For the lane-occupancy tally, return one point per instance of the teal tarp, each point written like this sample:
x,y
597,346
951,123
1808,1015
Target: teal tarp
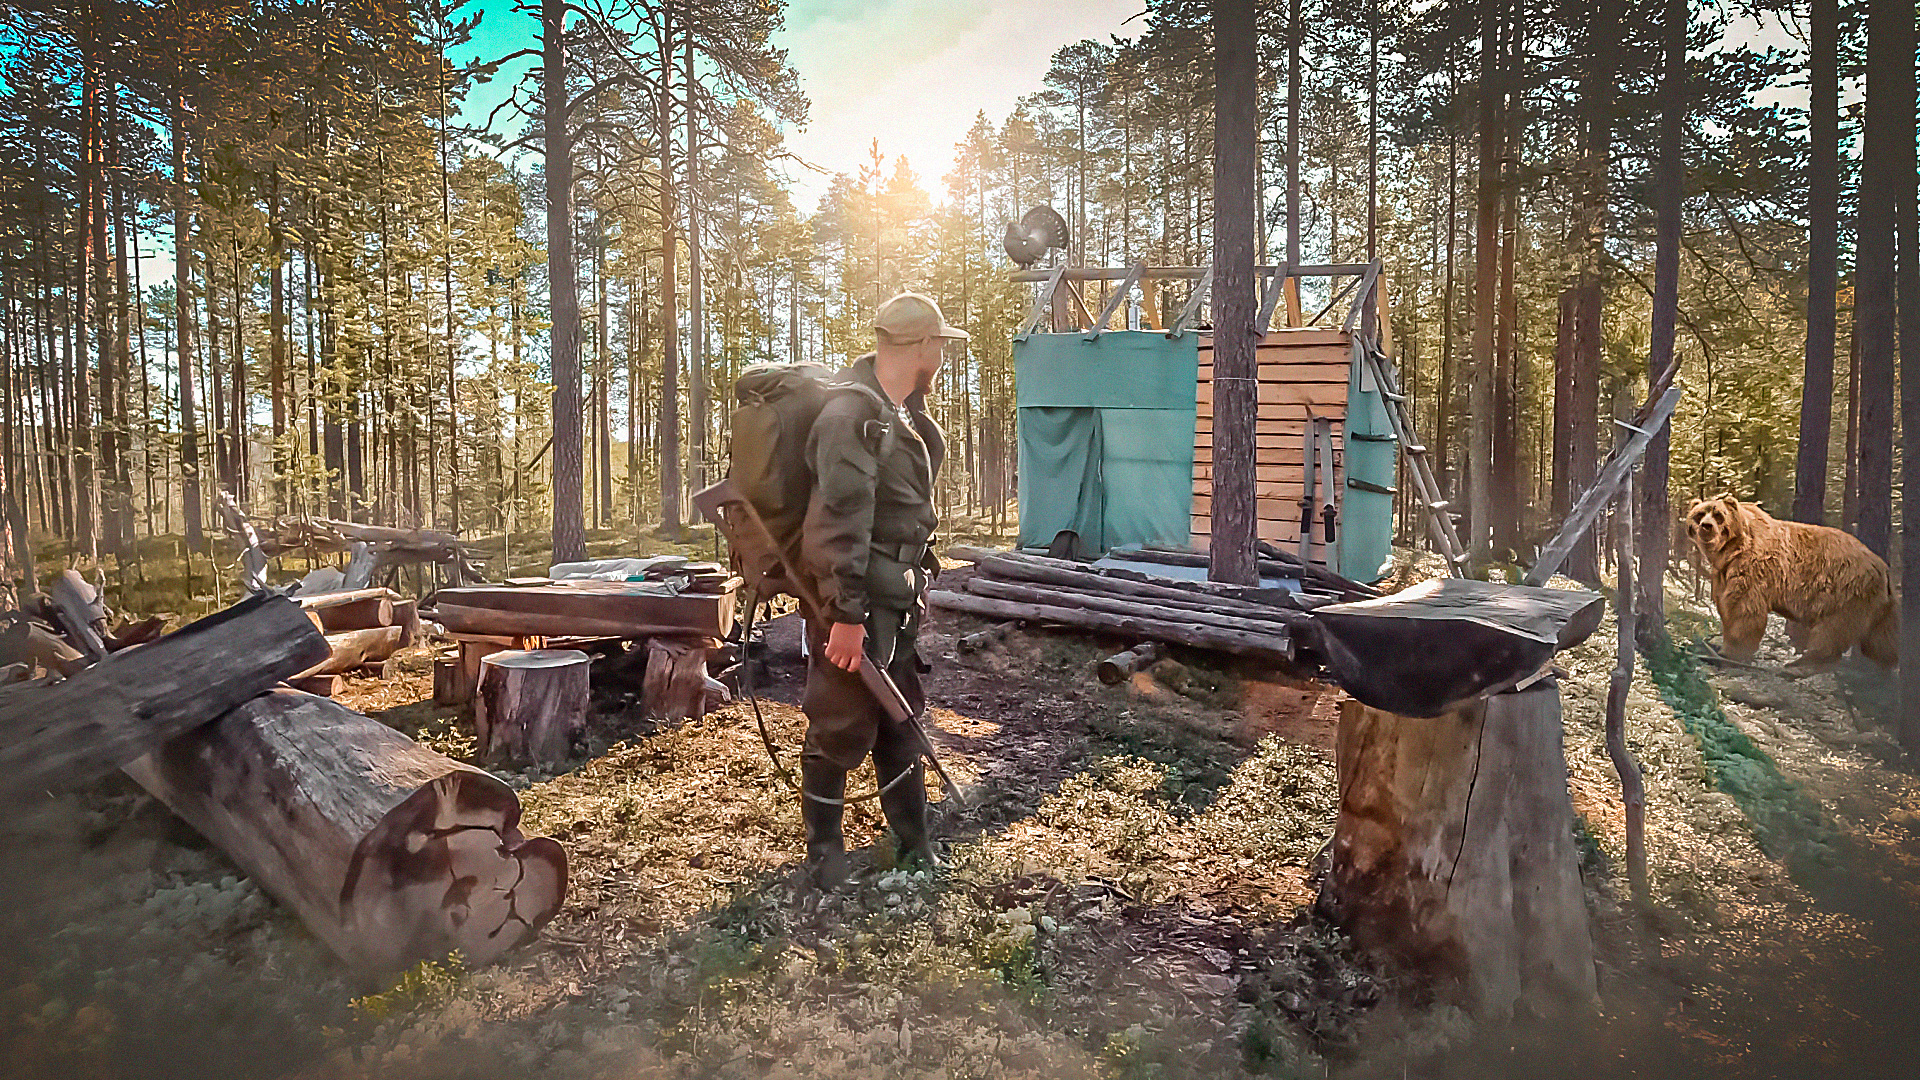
x,y
1372,460
1106,437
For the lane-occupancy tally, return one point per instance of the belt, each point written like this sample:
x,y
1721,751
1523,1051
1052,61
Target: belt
x,y
909,553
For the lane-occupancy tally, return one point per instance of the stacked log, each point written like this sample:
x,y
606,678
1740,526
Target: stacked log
x,y
1255,623
364,628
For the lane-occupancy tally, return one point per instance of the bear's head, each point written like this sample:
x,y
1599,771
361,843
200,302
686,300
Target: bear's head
x,y
1715,526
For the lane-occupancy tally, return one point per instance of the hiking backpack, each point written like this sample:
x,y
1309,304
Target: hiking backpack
x,y
777,405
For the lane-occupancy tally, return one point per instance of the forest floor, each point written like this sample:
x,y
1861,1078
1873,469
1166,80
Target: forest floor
x,y
1126,897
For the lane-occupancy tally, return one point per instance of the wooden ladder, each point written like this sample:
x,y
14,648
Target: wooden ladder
x,y
1439,522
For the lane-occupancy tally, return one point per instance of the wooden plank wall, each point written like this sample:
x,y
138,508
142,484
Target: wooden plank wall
x,y
1301,370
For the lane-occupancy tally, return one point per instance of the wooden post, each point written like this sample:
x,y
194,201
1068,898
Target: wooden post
x,y
389,852
529,705
1454,850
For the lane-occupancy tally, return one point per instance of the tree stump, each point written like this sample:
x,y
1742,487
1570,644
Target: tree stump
x,y
446,681
389,852
676,681
1454,851
530,704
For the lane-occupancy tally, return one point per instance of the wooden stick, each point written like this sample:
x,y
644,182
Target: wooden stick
x,y
1633,791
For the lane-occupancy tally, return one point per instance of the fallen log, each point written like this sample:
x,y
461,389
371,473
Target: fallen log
x,y
389,852
27,642
108,714
357,648
1120,605
82,616
604,604
983,639
340,597
406,616
366,613
318,685
1276,647
1454,852
459,619
1348,588
1116,669
1119,582
530,704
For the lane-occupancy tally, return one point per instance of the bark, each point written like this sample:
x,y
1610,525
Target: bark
x,y
1887,146
1119,605
1655,513
1823,247
569,526
131,702
671,495
389,852
1454,851
531,705
1486,256
1907,283
1271,647
676,683
356,648
1235,305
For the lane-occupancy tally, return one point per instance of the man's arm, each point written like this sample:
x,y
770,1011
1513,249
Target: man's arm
x,y
838,534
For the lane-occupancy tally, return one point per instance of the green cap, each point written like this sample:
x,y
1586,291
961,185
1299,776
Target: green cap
x,y
910,318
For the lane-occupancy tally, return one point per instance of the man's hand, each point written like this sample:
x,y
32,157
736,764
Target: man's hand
x,y
846,644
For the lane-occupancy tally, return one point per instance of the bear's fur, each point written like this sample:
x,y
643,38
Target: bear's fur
x,y
1832,591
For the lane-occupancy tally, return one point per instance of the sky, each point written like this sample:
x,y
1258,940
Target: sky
x,y
911,73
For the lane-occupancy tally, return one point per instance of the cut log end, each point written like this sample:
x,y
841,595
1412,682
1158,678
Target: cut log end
x,y
448,870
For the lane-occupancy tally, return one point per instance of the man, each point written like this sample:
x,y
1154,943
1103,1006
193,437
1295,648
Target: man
x,y
866,546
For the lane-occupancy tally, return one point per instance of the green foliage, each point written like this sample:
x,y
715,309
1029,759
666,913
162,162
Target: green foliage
x,y
425,985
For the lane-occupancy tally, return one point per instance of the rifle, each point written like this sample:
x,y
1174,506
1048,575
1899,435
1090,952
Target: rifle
x,y
768,571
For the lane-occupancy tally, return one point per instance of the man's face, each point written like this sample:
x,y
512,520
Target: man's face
x,y
931,354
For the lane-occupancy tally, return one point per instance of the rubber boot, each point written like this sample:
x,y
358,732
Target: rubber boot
x,y
905,805
826,845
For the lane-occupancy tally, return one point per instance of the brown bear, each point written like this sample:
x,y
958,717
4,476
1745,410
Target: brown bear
x,y
1832,591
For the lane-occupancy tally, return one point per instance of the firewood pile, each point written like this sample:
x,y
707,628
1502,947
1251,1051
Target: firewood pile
x,y
1258,623
364,629
389,852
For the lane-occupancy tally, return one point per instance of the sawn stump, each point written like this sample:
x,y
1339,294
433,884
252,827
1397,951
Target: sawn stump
x,y
1454,852
530,705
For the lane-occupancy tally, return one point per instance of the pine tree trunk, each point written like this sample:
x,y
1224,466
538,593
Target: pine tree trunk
x,y
1235,205
190,497
1823,209
569,528
1887,146
696,290
1655,515
1907,280
671,495
1486,253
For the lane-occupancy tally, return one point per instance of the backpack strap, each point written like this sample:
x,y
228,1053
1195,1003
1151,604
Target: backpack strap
x,y
888,418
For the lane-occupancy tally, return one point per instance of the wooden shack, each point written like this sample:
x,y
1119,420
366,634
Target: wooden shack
x,y
1113,496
